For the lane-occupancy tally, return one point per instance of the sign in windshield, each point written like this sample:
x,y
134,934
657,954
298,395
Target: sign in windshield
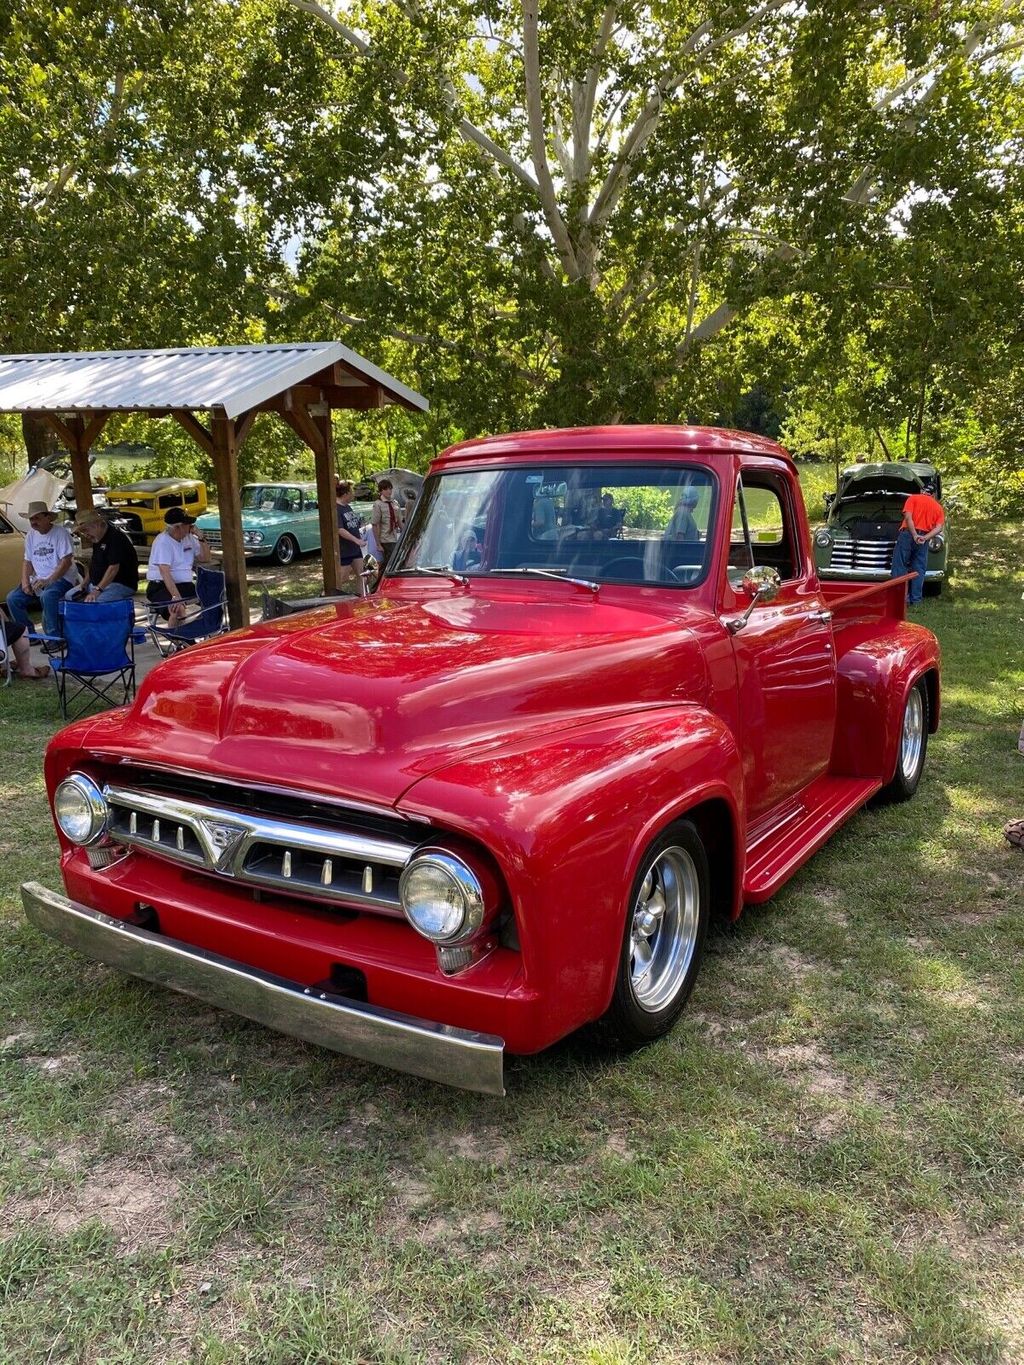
x,y
644,524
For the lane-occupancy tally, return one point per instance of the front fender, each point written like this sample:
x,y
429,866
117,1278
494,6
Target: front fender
x,y
568,819
877,666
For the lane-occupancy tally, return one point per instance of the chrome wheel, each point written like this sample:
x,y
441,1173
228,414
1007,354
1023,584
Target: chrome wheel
x,y
664,929
285,550
912,739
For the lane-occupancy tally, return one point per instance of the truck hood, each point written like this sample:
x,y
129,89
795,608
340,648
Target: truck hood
x,y
364,698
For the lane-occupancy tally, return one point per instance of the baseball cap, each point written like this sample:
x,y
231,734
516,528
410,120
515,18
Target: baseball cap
x,y
177,516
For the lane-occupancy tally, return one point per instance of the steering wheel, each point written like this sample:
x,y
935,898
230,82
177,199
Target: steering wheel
x,y
664,572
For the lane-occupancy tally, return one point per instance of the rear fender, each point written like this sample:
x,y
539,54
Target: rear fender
x,y
877,664
568,820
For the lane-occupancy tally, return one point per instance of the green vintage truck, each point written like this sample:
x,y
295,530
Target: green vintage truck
x,y
864,517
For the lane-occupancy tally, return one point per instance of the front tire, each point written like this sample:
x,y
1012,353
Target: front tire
x,y
285,550
913,746
663,942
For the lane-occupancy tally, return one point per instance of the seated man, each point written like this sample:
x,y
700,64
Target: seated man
x,y
114,567
682,527
170,573
467,556
48,571
608,519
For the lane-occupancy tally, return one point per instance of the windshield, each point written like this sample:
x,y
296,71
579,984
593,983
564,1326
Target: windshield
x,y
607,523
270,498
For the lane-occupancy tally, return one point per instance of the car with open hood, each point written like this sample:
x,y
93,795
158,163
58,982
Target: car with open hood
x,y
864,518
490,804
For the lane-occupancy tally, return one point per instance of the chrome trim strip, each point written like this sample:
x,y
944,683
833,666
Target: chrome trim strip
x,y
437,1052
873,575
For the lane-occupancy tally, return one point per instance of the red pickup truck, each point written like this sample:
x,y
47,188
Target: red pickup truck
x,y
599,698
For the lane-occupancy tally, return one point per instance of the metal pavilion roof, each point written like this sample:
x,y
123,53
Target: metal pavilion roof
x,y
231,378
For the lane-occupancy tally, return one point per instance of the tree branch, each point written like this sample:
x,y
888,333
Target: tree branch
x,y
468,131
538,143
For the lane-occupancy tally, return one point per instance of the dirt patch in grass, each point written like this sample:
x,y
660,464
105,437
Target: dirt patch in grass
x,y
137,1203
818,1074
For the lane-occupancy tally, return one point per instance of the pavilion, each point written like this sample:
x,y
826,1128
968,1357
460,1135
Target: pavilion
x,y
76,392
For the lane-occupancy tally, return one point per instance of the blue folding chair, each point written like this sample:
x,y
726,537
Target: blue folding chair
x,y
209,618
97,658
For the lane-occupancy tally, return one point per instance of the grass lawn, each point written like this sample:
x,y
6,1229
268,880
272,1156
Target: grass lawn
x,y
823,1162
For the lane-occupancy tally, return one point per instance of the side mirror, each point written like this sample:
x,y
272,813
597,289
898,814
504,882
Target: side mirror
x,y
762,584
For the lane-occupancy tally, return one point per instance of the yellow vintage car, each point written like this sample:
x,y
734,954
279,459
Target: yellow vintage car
x,y
140,507
12,553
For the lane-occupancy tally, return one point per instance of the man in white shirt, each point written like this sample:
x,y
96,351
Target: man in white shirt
x,y
47,573
172,560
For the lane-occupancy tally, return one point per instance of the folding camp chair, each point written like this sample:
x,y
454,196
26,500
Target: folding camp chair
x,y
97,645
8,664
209,619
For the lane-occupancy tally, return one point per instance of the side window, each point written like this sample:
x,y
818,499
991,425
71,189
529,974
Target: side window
x,y
762,529
170,500
310,502
191,495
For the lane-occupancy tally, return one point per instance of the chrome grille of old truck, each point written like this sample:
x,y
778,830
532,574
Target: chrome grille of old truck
x,y
862,554
346,867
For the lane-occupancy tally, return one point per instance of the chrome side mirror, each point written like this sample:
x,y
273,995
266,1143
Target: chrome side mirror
x,y
763,584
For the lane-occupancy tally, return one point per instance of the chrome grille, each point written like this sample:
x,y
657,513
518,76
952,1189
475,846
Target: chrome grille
x,y
862,554
213,537
346,867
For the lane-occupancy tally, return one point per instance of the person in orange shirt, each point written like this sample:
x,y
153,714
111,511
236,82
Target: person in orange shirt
x,y
923,518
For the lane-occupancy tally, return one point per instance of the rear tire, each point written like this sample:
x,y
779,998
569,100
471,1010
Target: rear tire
x,y
913,746
933,589
663,939
285,550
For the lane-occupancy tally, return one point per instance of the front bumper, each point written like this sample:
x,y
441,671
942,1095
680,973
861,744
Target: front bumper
x,y
437,1052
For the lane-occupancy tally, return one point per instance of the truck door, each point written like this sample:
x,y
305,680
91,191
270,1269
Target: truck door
x,y
784,654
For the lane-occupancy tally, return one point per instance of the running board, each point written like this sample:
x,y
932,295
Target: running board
x,y
789,836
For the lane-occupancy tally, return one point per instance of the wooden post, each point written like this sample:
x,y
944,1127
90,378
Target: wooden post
x,y
225,468
77,435
326,478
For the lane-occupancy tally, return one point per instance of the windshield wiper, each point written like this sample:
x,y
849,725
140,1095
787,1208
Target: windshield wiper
x,y
562,577
436,571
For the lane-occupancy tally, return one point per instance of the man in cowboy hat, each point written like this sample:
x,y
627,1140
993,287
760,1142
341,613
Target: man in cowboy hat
x,y
47,572
114,566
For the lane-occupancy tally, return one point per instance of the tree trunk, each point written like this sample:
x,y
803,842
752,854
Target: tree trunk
x,y
39,439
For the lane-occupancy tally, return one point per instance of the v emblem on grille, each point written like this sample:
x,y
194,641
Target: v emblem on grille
x,y
221,840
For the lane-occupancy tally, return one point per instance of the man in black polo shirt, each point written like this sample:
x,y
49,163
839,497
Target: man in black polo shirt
x,y
114,567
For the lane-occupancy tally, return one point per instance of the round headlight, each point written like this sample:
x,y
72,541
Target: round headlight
x,y
823,538
80,809
442,898
935,544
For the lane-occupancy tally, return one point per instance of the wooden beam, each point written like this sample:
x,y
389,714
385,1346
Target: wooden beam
x,y
326,479
195,429
304,427
64,434
92,429
243,425
225,467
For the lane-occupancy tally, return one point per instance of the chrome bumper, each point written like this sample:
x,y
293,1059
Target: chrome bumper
x,y
438,1052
